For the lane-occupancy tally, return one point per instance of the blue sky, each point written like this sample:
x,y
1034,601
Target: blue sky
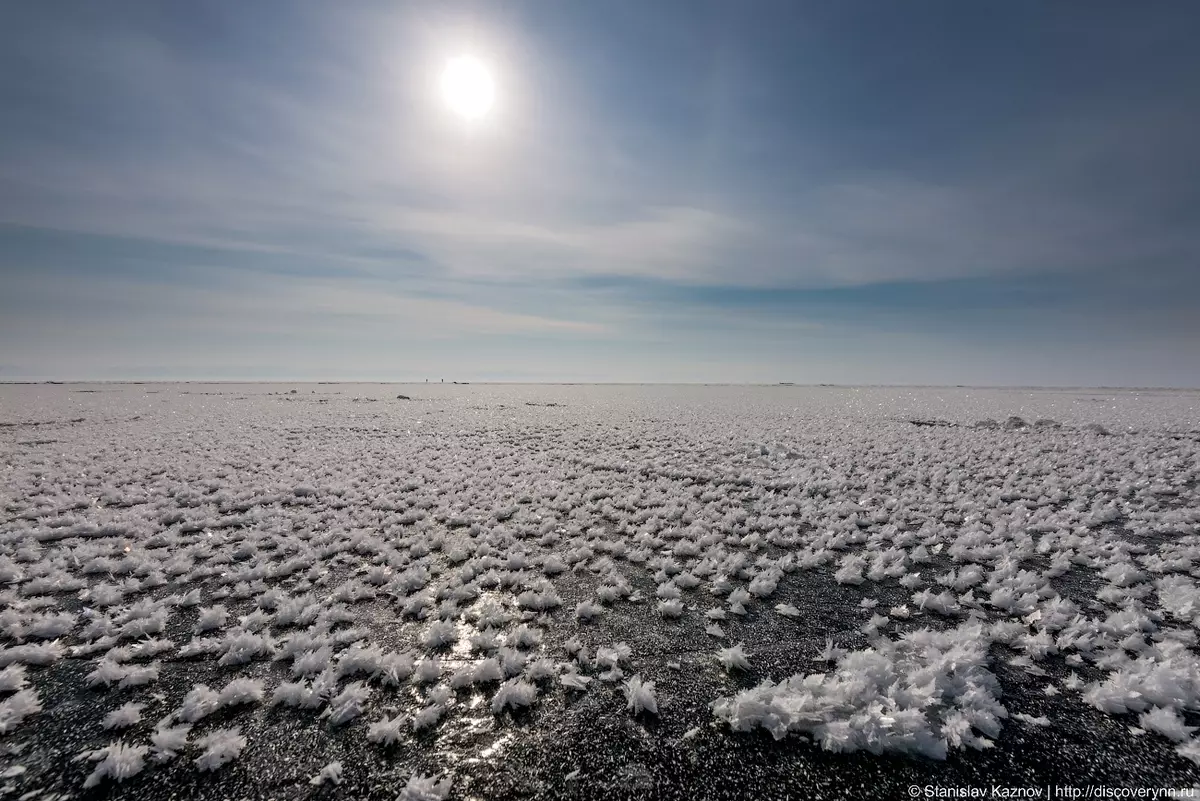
x,y
851,192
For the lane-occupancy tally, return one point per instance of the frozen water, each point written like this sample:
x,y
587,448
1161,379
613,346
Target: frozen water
x,y
913,572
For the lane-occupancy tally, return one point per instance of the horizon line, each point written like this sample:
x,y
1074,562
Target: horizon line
x,y
781,384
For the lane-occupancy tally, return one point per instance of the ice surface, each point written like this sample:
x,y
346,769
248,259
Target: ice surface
x,y
957,562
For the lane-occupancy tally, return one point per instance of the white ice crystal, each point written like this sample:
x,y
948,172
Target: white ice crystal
x,y
884,698
348,704
540,670
1136,685
241,691
427,671
484,641
587,610
17,707
219,748
764,584
613,655
1167,722
200,702
312,661
428,716
1041,720
425,788
539,601
116,761
330,774
639,696
524,636
123,716
671,609
48,627
734,658
943,603
12,679
514,693
199,646
440,634
386,731
512,661
293,694
241,647
394,668
169,741
574,681
139,676
488,670
1189,750
210,619
358,660
33,654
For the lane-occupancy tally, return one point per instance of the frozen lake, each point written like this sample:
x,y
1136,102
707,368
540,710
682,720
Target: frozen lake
x,y
272,590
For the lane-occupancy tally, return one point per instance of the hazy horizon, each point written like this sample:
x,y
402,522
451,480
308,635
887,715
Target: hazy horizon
x,y
485,382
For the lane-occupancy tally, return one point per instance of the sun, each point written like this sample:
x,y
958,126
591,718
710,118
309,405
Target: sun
x,y
467,87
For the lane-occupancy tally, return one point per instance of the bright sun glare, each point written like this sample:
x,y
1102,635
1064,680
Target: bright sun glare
x,y
468,87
